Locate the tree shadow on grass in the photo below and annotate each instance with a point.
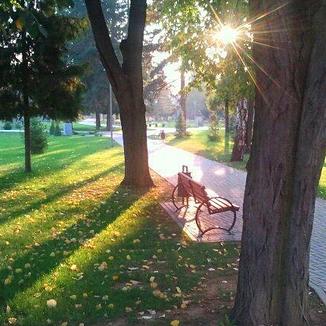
(64, 245)
(168, 272)
(55, 194)
(49, 164)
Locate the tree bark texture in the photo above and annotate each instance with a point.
(240, 133)
(127, 84)
(289, 145)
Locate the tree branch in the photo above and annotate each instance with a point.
(160, 67)
(104, 43)
(132, 48)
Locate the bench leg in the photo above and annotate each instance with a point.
(197, 219)
(174, 201)
(214, 227)
(234, 220)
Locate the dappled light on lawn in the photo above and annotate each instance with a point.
(79, 248)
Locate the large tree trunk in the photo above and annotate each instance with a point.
(134, 137)
(240, 133)
(226, 126)
(288, 151)
(127, 85)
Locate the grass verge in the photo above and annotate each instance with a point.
(198, 143)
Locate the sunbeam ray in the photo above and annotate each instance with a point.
(249, 72)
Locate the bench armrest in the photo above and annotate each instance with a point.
(219, 197)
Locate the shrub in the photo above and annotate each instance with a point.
(7, 125)
(52, 128)
(57, 130)
(39, 138)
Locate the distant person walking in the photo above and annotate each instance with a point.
(162, 136)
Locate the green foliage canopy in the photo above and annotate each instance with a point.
(33, 60)
(191, 27)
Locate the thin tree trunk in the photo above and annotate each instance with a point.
(98, 120)
(27, 124)
(249, 127)
(289, 146)
(27, 140)
(226, 126)
(240, 134)
(108, 121)
(183, 103)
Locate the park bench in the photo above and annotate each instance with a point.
(187, 187)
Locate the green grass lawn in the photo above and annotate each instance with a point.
(198, 143)
(82, 127)
(77, 127)
(76, 247)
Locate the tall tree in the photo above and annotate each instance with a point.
(192, 29)
(36, 77)
(288, 151)
(127, 83)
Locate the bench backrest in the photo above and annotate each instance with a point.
(193, 188)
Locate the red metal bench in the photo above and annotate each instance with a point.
(187, 188)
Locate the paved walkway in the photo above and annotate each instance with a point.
(219, 178)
